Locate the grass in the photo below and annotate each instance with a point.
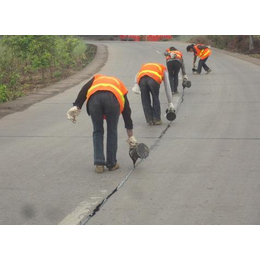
(82, 55)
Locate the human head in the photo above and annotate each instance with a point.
(190, 48)
(172, 49)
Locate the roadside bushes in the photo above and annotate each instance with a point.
(234, 43)
(32, 61)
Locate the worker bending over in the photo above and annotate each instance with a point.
(106, 98)
(175, 62)
(203, 52)
(149, 78)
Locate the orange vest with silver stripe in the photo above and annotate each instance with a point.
(112, 84)
(178, 54)
(153, 70)
(203, 54)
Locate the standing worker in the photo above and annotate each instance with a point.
(106, 98)
(203, 52)
(149, 78)
(174, 62)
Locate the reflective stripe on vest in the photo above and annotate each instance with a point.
(150, 71)
(154, 64)
(204, 53)
(155, 72)
(103, 77)
(99, 86)
(178, 55)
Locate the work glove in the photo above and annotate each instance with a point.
(185, 78)
(173, 55)
(171, 107)
(73, 114)
(136, 89)
(132, 142)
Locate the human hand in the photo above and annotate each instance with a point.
(73, 114)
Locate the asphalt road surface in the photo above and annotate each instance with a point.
(203, 168)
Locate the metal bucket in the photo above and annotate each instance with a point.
(170, 115)
(186, 84)
(140, 151)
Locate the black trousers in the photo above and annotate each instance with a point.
(202, 64)
(149, 87)
(173, 70)
(104, 103)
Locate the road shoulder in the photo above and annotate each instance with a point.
(24, 102)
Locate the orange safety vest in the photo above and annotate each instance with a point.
(203, 54)
(153, 70)
(178, 54)
(112, 84)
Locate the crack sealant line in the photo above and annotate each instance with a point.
(85, 220)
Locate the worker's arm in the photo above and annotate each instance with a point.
(127, 114)
(129, 124)
(81, 98)
(183, 70)
(194, 60)
(74, 112)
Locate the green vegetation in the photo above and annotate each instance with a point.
(234, 43)
(33, 61)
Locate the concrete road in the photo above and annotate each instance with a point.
(202, 169)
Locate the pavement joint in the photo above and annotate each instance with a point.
(85, 219)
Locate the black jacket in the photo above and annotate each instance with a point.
(82, 96)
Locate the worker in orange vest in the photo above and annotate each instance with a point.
(106, 98)
(203, 52)
(174, 62)
(149, 79)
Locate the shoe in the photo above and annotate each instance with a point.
(150, 123)
(176, 92)
(114, 168)
(172, 93)
(157, 122)
(208, 71)
(196, 73)
(99, 168)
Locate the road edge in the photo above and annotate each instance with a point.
(24, 102)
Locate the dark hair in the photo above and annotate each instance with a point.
(172, 49)
(190, 47)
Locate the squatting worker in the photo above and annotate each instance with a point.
(175, 62)
(106, 98)
(149, 79)
(203, 52)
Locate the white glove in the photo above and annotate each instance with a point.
(132, 142)
(185, 78)
(173, 55)
(73, 114)
(136, 89)
(171, 107)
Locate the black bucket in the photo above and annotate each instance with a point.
(170, 115)
(186, 84)
(140, 151)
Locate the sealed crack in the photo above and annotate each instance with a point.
(85, 220)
